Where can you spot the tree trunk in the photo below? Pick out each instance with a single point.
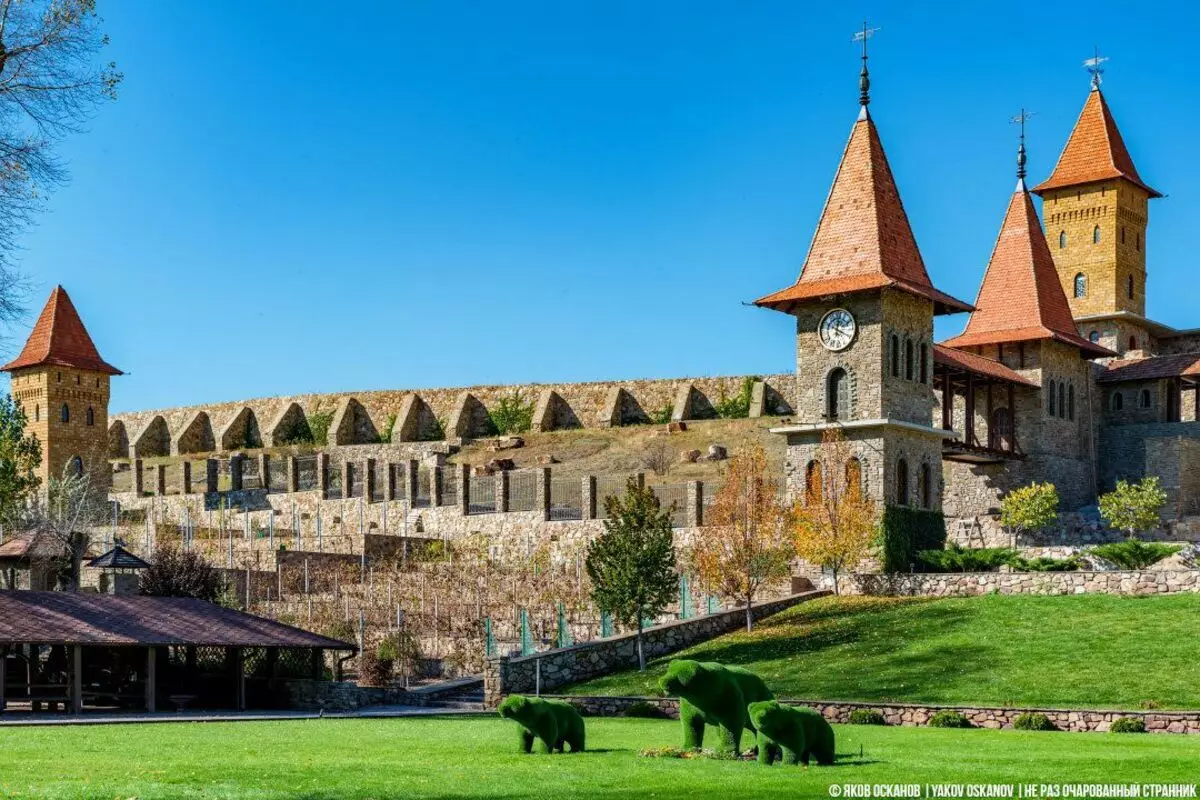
(749, 616)
(640, 653)
(836, 590)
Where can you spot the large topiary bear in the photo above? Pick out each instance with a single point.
(713, 694)
(796, 735)
(554, 722)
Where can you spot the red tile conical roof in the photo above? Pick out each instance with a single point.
(59, 339)
(1021, 298)
(1095, 151)
(863, 240)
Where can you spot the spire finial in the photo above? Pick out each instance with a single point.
(864, 78)
(1021, 119)
(1092, 65)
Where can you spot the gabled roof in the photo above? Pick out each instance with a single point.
(98, 619)
(1144, 369)
(980, 365)
(118, 558)
(1021, 298)
(863, 240)
(1095, 151)
(59, 339)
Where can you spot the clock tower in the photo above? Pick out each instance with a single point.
(864, 308)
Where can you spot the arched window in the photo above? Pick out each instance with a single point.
(895, 354)
(37, 413)
(65, 413)
(91, 416)
(837, 394)
(1116, 402)
(854, 478)
(1071, 402)
(1051, 397)
(902, 482)
(812, 483)
(76, 466)
(1062, 399)
(1000, 430)
(1133, 343)
(1081, 285)
(1144, 398)
(924, 363)
(1096, 235)
(1094, 337)
(908, 359)
(1129, 287)
(926, 481)
(1062, 239)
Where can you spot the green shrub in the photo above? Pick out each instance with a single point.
(738, 406)
(1128, 725)
(1046, 564)
(662, 416)
(373, 670)
(513, 414)
(956, 558)
(949, 719)
(904, 532)
(1032, 721)
(1135, 554)
(318, 424)
(866, 716)
(385, 436)
(643, 710)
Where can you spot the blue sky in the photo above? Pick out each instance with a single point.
(293, 197)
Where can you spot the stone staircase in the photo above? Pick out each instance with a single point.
(463, 694)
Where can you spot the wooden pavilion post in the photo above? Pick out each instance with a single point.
(947, 401)
(969, 421)
(992, 438)
(240, 666)
(1012, 419)
(3, 676)
(151, 679)
(77, 679)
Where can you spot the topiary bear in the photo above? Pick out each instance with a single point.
(554, 722)
(795, 734)
(713, 694)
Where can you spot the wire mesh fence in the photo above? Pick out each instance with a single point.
(379, 476)
(398, 477)
(354, 479)
(608, 486)
(673, 497)
(450, 487)
(566, 499)
(421, 496)
(522, 490)
(306, 473)
(277, 474)
(482, 499)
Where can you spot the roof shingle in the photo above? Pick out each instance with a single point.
(1095, 151)
(60, 339)
(863, 239)
(1144, 369)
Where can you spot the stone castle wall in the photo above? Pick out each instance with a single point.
(960, 584)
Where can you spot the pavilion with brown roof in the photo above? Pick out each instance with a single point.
(84, 651)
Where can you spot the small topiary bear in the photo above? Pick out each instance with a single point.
(713, 694)
(553, 722)
(795, 734)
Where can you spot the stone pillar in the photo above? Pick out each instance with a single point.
(494, 672)
(160, 480)
(541, 501)
(323, 475)
(139, 481)
(264, 470)
(210, 475)
(235, 473)
(369, 480)
(293, 476)
(389, 490)
(185, 468)
(464, 488)
(503, 491)
(435, 485)
(693, 504)
(589, 496)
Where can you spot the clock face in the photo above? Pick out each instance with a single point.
(837, 329)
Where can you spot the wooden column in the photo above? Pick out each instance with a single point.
(947, 401)
(990, 417)
(3, 676)
(1012, 420)
(239, 675)
(151, 679)
(76, 679)
(969, 417)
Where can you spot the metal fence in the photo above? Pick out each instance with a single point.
(522, 490)
(333, 490)
(608, 486)
(251, 476)
(482, 499)
(306, 473)
(566, 499)
(354, 479)
(379, 478)
(673, 497)
(421, 497)
(399, 478)
(277, 474)
(450, 487)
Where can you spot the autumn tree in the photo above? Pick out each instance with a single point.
(180, 573)
(745, 542)
(632, 564)
(834, 522)
(1029, 509)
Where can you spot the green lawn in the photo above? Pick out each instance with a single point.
(1073, 651)
(474, 757)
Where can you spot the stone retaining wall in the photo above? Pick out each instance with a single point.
(310, 695)
(1074, 720)
(502, 676)
(1037, 583)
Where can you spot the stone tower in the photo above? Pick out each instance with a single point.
(864, 308)
(1095, 207)
(62, 383)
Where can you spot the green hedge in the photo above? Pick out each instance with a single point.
(867, 716)
(1128, 725)
(949, 719)
(1033, 721)
(907, 531)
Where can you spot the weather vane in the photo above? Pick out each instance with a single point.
(1092, 65)
(864, 80)
(1021, 119)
